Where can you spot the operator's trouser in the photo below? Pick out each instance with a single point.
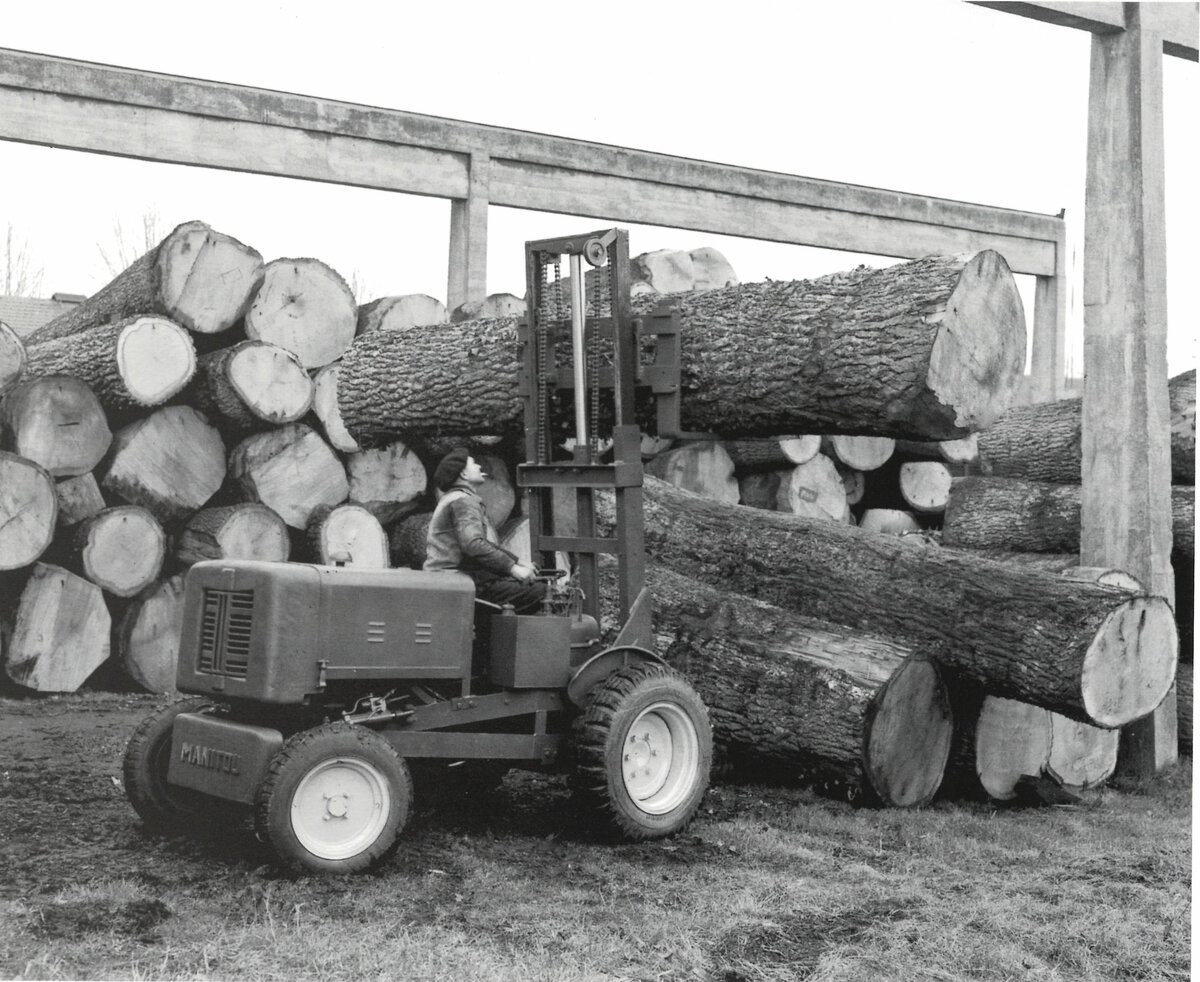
(526, 598)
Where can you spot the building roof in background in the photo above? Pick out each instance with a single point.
(26, 314)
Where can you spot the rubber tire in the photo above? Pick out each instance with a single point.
(161, 807)
(304, 754)
(600, 737)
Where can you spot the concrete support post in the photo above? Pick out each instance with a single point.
(1126, 503)
(468, 237)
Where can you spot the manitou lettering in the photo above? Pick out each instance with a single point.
(210, 758)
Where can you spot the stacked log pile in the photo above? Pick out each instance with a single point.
(291, 423)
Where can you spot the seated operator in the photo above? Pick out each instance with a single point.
(461, 537)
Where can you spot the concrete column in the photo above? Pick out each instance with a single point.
(1126, 502)
(468, 237)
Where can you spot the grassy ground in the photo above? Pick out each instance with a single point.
(769, 883)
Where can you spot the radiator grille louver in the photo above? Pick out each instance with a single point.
(225, 632)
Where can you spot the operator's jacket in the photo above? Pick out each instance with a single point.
(461, 537)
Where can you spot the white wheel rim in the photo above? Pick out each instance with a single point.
(341, 807)
(660, 758)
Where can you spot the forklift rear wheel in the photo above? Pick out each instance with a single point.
(335, 799)
(643, 751)
(161, 806)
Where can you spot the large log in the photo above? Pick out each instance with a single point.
(60, 633)
(12, 358)
(291, 470)
(133, 364)
(147, 635)
(1043, 442)
(57, 421)
(171, 462)
(930, 349)
(1038, 516)
(841, 706)
(251, 385)
(197, 277)
(28, 510)
(305, 306)
(247, 530)
(120, 549)
(401, 313)
(1088, 651)
(389, 482)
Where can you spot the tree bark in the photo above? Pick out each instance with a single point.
(250, 385)
(170, 462)
(147, 636)
(196, 276)
(12, 358)
(406, 540)
(306, 307)
(703, 468)
(389, 482)
(290, 470)
(28, 510)
(133, 364)
(347, 534)
(1043, 442)
(845, 707)
(243, 531)
(930, 349)
(61, 631)
(57, 421)
(1087, 651)
(1037, 516)
(121, 549)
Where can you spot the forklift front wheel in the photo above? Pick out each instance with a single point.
(643, 751)
(334, 799)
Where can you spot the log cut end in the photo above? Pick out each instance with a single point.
(1130, 664)
(908, 740)
(156, 359)
(979, 353)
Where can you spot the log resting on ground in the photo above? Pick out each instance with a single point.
(1042, 442)
(931, 349)
(1090, 652)
(854, 710)
(196, 276)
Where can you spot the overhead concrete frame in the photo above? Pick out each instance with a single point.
(79, 105)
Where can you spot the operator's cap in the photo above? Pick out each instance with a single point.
(450, 468)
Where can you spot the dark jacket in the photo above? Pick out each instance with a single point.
(461, 537)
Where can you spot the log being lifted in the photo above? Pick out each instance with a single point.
(306, 307)
(1090, 652)
(1039, 516)
(57, 421)
(931, 349)
(60, 633)
(1042, 442)
(28, 510)
(132, 364)
(197, 277)
(853, 709)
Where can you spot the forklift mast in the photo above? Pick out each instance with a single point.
(580, 340)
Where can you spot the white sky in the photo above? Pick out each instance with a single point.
(935, 98)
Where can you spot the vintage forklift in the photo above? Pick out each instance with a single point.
(322, 688)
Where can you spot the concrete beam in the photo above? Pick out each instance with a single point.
(1177, 23)
(61, 102)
